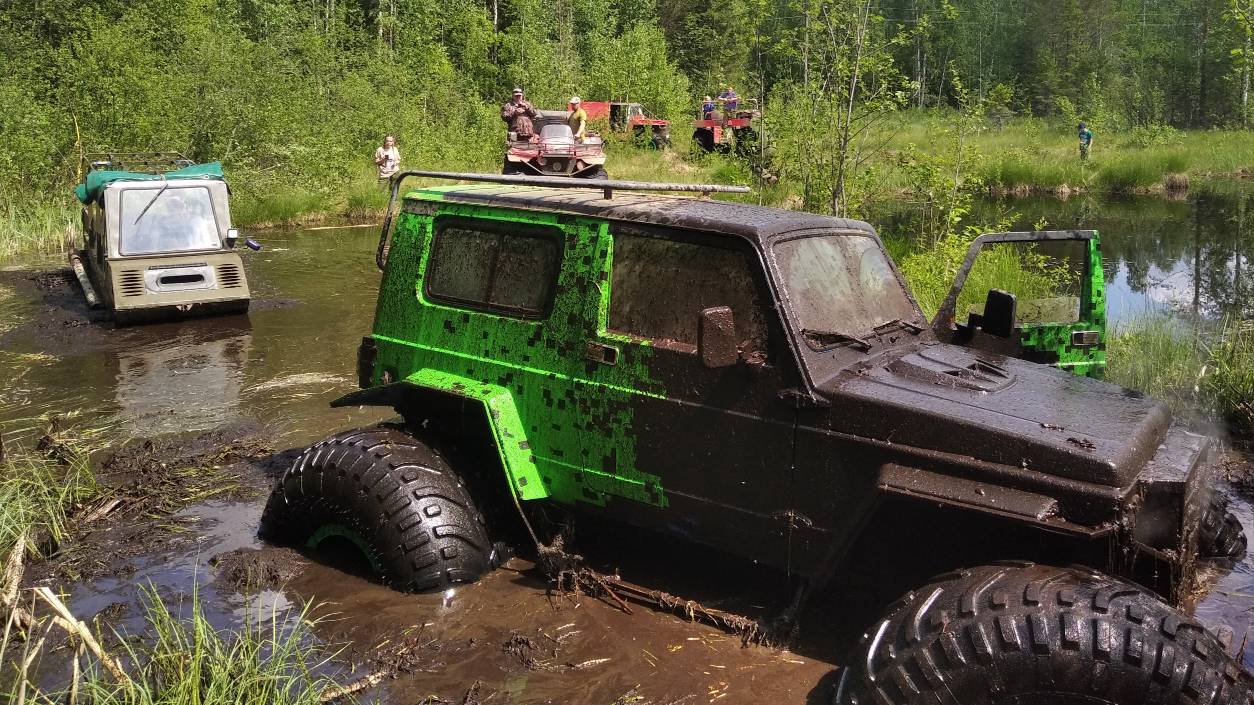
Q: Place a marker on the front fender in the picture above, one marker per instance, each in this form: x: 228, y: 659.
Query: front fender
x: 499, y: 410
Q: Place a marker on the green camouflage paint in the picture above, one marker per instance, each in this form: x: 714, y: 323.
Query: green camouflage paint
x: 1055, y: 338
x: 563, y: 422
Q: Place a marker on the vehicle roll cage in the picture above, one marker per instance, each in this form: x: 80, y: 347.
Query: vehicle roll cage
x: 606, y: 186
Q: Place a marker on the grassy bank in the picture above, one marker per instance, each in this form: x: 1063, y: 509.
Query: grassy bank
x: 1022, y: 156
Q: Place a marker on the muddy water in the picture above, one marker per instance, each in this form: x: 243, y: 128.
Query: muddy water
x: 295, y: 351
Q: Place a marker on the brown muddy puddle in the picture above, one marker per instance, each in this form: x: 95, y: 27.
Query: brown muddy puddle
x: 279, y: 367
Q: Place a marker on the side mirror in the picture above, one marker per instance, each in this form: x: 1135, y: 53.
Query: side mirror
x: 716, y: 337
x: 252, y: 244
x: 999, y: 313
x: 231, y: 236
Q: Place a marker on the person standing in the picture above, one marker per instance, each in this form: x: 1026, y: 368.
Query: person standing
x: 578, y: 119
x: 518, y: 114
x: 387, y: 158
x: 1086, y: 141
x: 729, y: 99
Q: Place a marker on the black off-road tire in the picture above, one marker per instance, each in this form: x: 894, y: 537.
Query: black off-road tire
x: 598, y: 174
x: 1024, y: 634
x: 703, y: 138
x: 394, y: 496
x: 510, y: 169
x: 1220, y: 535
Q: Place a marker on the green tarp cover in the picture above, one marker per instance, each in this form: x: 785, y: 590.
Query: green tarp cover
x: 97, y: 180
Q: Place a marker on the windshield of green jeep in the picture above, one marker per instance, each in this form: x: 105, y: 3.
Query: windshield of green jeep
x: 172, y: 219
x: 841, y: 287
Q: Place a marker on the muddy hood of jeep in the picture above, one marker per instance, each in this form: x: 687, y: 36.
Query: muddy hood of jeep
x: 1003, y: 410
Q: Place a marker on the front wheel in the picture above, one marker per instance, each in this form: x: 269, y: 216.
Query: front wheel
x: 394, y: 497
x: 1024, y: 634
x: 598, y: 173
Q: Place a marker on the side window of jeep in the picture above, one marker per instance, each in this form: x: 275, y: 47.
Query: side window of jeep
x: 660, y: 286
x: 502, y: 267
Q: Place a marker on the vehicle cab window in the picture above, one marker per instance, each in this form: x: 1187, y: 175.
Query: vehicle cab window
x: 156, y: 220
x: 660, y: 286
x: 502, y: 267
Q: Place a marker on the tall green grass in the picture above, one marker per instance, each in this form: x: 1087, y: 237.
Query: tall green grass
x: 36, y: 226
x: 271, y: 659
x: 1198, y: 369
x: 40, y: 488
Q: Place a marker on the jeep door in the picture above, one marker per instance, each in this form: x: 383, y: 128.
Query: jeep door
x: 1035, y: 295
x: 718, y: 440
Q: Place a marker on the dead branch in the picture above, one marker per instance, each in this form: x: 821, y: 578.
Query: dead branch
x: 342, y: 691
x: 13, y: 570
x: 71, y: 624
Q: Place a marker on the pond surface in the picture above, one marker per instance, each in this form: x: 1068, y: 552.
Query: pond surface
x: 314, y: 293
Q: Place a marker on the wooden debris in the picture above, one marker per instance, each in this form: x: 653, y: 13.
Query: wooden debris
x: 342, y: 691
x: 67, y: 621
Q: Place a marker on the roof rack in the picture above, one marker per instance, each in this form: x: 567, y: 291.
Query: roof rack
x: 607, y: 186
x: 144, y: 162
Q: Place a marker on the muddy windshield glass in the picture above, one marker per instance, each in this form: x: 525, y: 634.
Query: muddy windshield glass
x: 167, y: 220
x: 840, y: 288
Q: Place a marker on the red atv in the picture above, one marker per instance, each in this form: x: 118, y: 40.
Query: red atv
x: 554, y: 151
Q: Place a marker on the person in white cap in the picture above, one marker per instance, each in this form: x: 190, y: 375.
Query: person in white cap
x: 578, y: 119
x: 518, y: 114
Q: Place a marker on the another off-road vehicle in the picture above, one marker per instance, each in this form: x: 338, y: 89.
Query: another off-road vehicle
x: 763, y: 382
x: 728, y: 130
x: 631, y: 117
x: 157, y: 238
x: 554, y: 151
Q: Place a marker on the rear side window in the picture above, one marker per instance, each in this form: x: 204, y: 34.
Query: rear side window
x: 659, y: 287
x: 507, y: 268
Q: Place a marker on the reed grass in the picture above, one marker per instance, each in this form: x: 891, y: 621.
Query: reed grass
x: 270, y: 659
x: 36, y: 226
x: 40, y: 488
x: 1201, y: 368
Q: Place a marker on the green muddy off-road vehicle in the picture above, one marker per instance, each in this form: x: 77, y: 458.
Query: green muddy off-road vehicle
x: 157, y: 238
x: 762, y: 382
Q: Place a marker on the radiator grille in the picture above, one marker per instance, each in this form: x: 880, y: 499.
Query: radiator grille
x: 229, y: 276
x: 131, y: 283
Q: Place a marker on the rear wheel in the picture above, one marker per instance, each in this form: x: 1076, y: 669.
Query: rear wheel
x: 510, y: 169
x: 595, y: 173
x: 1025, y: 634
x: 394, y: 497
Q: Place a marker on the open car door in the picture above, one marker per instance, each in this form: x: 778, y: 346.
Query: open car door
x: 1040, y: 296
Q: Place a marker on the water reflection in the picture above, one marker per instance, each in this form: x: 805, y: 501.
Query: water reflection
x: 1190, y: 255
x: 184, y: 384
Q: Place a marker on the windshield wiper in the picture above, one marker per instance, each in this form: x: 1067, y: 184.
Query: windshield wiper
x: 828, y: 338
x: 912, y: 327
x: 154, y: 200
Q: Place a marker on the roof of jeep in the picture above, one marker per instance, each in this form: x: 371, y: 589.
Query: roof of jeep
x: 754, y: 222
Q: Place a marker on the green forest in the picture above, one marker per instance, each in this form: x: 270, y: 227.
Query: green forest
x: 862, y: 99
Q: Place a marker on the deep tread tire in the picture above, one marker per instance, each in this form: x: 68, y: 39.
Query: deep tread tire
x: 1220, y: 535
x: 416, y: 519
x: 1026, y: 634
